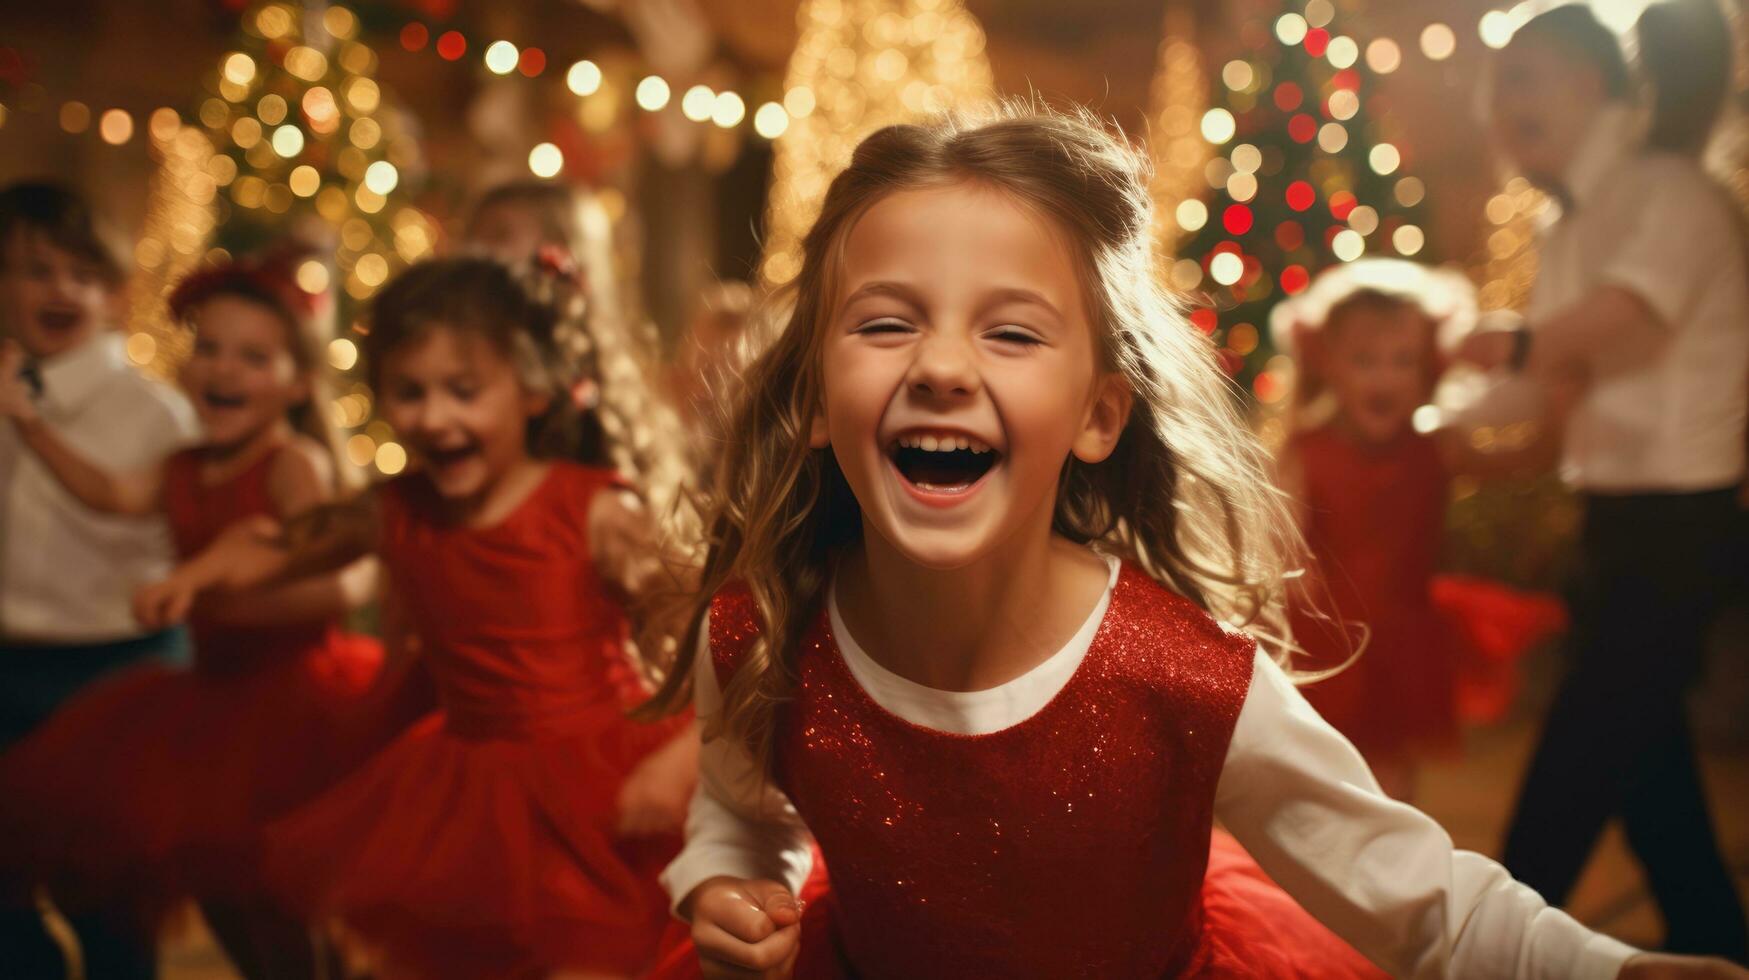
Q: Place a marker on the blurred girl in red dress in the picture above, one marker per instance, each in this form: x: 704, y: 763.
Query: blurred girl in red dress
x: 1372, y: 490
x: 519, y: 829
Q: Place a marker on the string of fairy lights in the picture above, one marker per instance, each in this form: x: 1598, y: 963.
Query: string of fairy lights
x: 859, y: 65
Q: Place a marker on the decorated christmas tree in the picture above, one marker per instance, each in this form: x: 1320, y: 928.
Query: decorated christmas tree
x: 292, y: 141
x: 1299, y: 178
x: 300, y: 130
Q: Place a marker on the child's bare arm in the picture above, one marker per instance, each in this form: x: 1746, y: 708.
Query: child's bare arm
x: 136, y: 492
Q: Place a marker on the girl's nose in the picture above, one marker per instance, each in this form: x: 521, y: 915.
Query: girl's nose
x: 944, y: 366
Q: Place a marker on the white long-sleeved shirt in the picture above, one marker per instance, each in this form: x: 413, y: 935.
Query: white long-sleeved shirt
x: 67, y: 572
x: 1380, y: 874
x: 1656, y: 225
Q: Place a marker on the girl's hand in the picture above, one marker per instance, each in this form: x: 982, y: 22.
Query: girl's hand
x: 244, y: 554
x: 1663, y: 966
x: 744, y: 928
x: 654, y: 797
x: 162, y: 605
x: 15, y: 395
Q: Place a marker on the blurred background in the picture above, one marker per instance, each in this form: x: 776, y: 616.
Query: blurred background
x: 1287, y: 136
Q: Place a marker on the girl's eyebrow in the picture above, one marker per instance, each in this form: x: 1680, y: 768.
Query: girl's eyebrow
x: 881, y: 287
x: 1016, y: 294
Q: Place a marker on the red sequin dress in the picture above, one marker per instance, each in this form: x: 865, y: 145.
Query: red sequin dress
x: 482, y: 842
x: 1074, y: 843
x: 137, y: 787
x: 1375, y: 522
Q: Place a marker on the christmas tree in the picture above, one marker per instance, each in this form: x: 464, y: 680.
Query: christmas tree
x: 293, y: 140
x: 300, y: 130
x: 1299, y: 180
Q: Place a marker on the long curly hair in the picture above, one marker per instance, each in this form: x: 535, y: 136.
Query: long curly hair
x: 1187, y: 493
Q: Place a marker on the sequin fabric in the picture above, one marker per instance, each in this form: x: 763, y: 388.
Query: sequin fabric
x: 1071, y: 844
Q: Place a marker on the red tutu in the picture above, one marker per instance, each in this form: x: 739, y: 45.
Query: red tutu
x: 485, y: 857
x: 156, y: 782
x: 1251, y: 928
x: 123, y: 795
x: 483, y: 843
x: 1495, y: 627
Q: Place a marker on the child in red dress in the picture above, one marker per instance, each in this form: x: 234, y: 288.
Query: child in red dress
x: 519, y: 829
x: 983, y: 517
x: 135, y: 788
x: 1372, y: 492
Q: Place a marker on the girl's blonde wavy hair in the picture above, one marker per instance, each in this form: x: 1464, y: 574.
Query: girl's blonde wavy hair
x: 641, y: 434
x: 1186, y: 495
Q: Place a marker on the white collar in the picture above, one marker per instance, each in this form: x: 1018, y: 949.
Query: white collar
x: 970, y: 712
x: 72, y: 378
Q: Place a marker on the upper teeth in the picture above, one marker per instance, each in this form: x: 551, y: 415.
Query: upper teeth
x: 941, y: 443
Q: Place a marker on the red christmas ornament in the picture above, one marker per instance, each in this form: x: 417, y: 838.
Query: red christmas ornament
x: 1294, y: 279
x: 1289, y: 235
x: 1288, y: 96
x: 1341, y: 203
x: 1300, y: 195
x: 1236, y: 219
x: 451, y: 46
x: 1317, y: 42
x: 532, y: 62
x: 414, y: 36
x: 1203, y: 319
x: 1302, y: 128
x: 1348, y: 79
x: 1267, y: 386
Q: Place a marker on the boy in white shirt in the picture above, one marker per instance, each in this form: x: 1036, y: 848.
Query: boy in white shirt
x: 67, y: 574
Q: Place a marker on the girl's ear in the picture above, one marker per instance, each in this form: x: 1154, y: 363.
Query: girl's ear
x: 535, y: 404
x: 301, y: 389
x: 818, y: 435
x: 1106, y: 418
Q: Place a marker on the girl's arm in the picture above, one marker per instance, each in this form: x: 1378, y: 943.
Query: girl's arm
x: 138, y: 493
x: 625, y: 547
x: 301, y: 479
x: 747, y: 854
x: 740, y: 824
x: 258, y: 552
x: 1383, y: 875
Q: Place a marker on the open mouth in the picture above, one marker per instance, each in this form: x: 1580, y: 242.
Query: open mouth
x: 58, y: 321
x: 942, y: 463
x: 213, y: 399
x: 442, y: 459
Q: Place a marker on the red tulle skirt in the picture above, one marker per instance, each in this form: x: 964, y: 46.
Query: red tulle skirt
x: 1495, y: 627
x: 1429, y: 666
x: 119, y: 798
x: 1251, y: 928
x: 475, y: 857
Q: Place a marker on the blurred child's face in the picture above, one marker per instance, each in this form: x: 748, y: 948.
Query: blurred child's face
x: 241, y: 374
x: 960, y: 373
x: 1544, y: 101
x: 510, y: 232
x: 1376, y: 360
x: 460, y: 407
x: 51, y: 301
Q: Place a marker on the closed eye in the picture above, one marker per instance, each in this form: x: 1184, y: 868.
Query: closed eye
x: 1014, y: 335
x: 884, y: 326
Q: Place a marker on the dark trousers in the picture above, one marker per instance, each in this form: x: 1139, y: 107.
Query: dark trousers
x: 1654, y: 569
x: 34, y: 681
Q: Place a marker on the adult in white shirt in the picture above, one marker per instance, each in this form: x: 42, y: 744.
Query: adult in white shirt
x: 67, y: 574
x: 1641, y: 307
